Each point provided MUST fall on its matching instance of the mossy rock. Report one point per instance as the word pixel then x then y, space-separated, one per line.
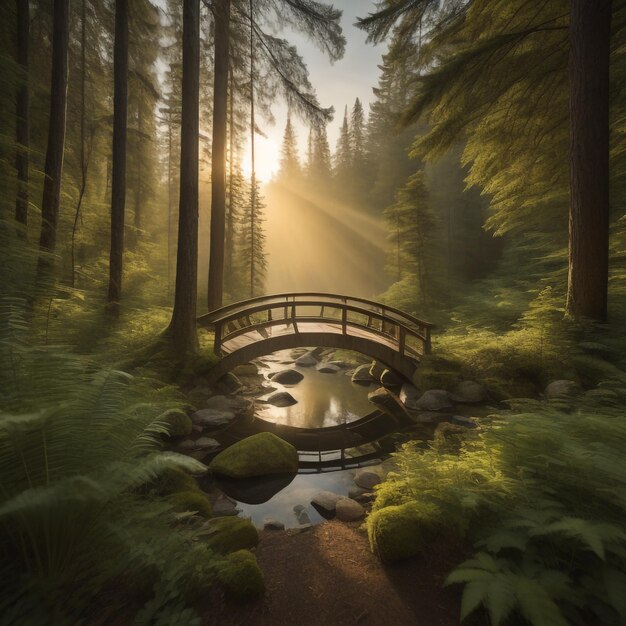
pixel 400 532
pixel 258 455
pixel 173 481
pixel 179 424
pixel 229 534
pixel 241 577
pixel 194 500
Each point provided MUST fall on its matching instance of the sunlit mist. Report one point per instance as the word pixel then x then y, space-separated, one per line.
pixel 267 158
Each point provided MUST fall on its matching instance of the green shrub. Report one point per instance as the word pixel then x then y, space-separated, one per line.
pixel 195 500
pixel 173 481
pixel 241 577
pixel 229 534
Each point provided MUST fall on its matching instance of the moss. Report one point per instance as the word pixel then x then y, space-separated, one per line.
pixel 400 532
pixel 241 577
pixel 200 572
pixel 178 423
pixel 191 501
pixel 173 481
pixel 258 455
pixel 436 373
pixel 229 534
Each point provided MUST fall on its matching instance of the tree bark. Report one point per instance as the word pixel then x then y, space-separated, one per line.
pixel 590 33
pixel 118 174
pixel 53 169
pixel 230 225
pixel 252 162
pixel 138 187
pixel 22 118
pixel 182 328
pixel 218 156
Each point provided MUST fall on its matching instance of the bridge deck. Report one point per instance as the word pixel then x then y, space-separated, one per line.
pixel 240 341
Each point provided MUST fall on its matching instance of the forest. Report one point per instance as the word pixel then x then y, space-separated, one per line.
pixel 313 313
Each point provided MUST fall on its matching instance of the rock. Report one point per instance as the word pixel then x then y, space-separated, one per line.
pixel 301 515
pixel 297 352
pixel 212 418
pixel 328 369
pixel 326 500
pixel 236 404
pixel 355 492
pixel 207 443
pixel 199 394
pixel 241 577
pixel 376 370
pixel 231 383
pixel 469 392
pixel 561 389
pixel 187 445
pixel 461 420
pixel 367 479
pixel 409 395
pixel 390 379
pixel 593 347
pixel 366 498
pixel 431 417
pixel 258 455
pixel 306 360
pixel 362 376
pixel 400 532
pixel 389 403
pixel 178 423
pixel 224 507
pixel 286 377
pixel 229 534
pixel 273 524
pixel 434 400
pixel 255 490
pixel 282 399
pixel 247 369
pixel 340 364
pixel 192 500
pixel 348 510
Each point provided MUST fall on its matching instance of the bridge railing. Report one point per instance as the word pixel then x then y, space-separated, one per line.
pixel 409 335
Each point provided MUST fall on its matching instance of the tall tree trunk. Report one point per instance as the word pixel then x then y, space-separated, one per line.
pixel 118 175
pixel 252 163
pixel 83 158
pixel 182 328
pixel 53 169
pixel 169 203
pixel 218 155
pixel 138 187
pixel 22 115
pixel 590 34
pixel 230 222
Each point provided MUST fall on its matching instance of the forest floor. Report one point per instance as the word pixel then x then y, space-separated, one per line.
pixel 328 575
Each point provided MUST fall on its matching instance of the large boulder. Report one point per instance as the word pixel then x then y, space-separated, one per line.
pixel 400 532
pixel 235 404
pixel 390 379
pixel 326 501
pixel 306 360
pixel 247 369
pixel 362 375
pixel 434 400
pixel 229 534
pixel 389 403
pixel 561 389
pixel 286 377
pixel 241 577
pixel 366 479
pixel 194 501
pixel 281 399
pixel 212 418
pixel 409 395
pixel 258 455
pixel 349 510
pixel 469 392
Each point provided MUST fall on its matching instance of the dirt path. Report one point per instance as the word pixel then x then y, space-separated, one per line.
pixel 328 575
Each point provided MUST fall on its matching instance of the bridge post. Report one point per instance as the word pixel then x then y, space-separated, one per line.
pixel 217 342
pixel 401 340
pixel 427 344
pixel 344 316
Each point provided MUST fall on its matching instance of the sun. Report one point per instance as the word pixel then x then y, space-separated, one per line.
pixel 267 158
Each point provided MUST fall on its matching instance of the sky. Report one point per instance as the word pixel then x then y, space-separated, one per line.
pixel 336 85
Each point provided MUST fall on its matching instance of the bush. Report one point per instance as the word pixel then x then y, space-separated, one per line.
pixel 229 534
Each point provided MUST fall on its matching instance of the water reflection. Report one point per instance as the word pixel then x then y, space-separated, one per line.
pixel 322 399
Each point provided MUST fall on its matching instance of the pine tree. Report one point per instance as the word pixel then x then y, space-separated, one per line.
pixel 343 155
pixel 290 169
pixel 321 169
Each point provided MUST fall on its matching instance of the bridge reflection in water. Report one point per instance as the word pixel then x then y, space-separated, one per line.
pixel 256 327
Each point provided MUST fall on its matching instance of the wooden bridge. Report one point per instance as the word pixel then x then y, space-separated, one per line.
pixel 252 328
